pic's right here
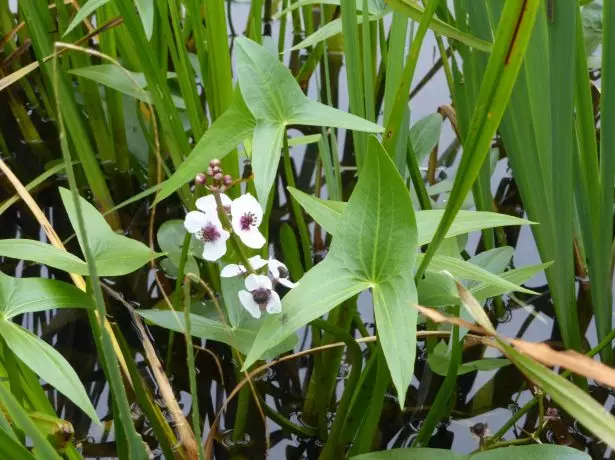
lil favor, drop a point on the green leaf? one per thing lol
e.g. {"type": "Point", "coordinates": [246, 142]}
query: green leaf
{"type": "Point", "coordinates": [21, 418]}
{"type": "Point", "coordinates": [115, 255]}
{"type": "Point", "coordinates": [11, 448]}
{"type": "Point", "coordinates": [124, 81]}
{"type": "Point", "coordinates": [533, 452]}
{"type": "Point", "coordinates": [275, 99]}
{"type": "Point", "coordinates": [517, 276]}
{"type": "Point", "coordinates": [28, 295]}
{"type": "Point", "coordinates": [437, 290]}
{"type": "Point", "coordinates": [376, 251]}
{"type": "Point", "coordinates": [464, 222]}
{"type": "Point", "coordinates": [378, 225]}
{"type": "Point", "coordinates": [146, 11]}
{"type": "Point", "coordinates": [237, 314]}
{"type": "Point", "coordinates": [84, 12]}
{"type": "Point", "coordinates": [43, 253]}
{"type": "Point", "coordinates": [240, 338]}
{"type": "Point", "coordinates": [439, 361]}
{"type": "Point", "coordinates": [396, 325]}
{"type": "Point", "coordinates": [267, 86]}
{"type": "Point", "coordinates": [425, 135]}
{"type": "Point", "coordinates": [170, 238]}
{"type": "Point", "coordinates": [314, 113]}
{"type": "Point", "coordinates": [464, 270]}
{"type": "Point", "coordinates": [328, 212]}
{"type": "Point", "coordinates": [50, 365]}
{"type": "Point", "coordinates": [494, 260]}
{"type": "Point", "coordinates": [267, 143]}
{"type": "Point", "coordinates": [234, 126]}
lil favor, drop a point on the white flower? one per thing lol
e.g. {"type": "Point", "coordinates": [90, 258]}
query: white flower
{"type": "Point", "coordinates": [206, 227]}
{"type": "Point", "coordinates": [279, 272]}
{"type": "Point", "coordinates": [208, 203]}
{"type": "Point", "coordinates": [247, 215]}
{"type": "Point", "coordinates": [260, 296]}
{"type": "Point", "coordinates": [231, 270]}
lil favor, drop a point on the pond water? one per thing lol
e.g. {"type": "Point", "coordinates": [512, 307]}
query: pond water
{"type": "Point", "coordinates": [487, 397]}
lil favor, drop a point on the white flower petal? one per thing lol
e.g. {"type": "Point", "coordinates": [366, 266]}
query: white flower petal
{"type": "Point", "coordinates": [232, 270]}
{"type": "Point", "coordinates": [247, 203]}
{"type": "Point", "coordinates": [288, 283]}
{"type": "Point", "coordinates": [249, 304]}
{"type": "Point", "coordinates": [274, 267]}
{"type": "Point", "coordinates": [251, 238]}
{"type": "Point", "coordinates": [206, 204]}
{"type": "Point", "coordinates": [254, 282]}
{"type": "Point", "coordinates": [195, 221]}
{"type": "Point", "coordinates": [274, 305]}
{"type": "Point", "coordinates": [213, 250]}
{"type": "Point", "coordinates": [257, 262]}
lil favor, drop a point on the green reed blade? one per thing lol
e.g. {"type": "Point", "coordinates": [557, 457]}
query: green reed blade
{"type": "Point", "coordinates": [393, 128]}
{"type": "Point", "coordinates": [562, 43]}
{"type": "Point", "coordinates": [354, 74]}
{"type": "Point", "coordinates": [504, 63]}
{"type": "Point", "coordinates": [175, 137]}
{"type": "Point", "coordinates": [607, 162]}
{"type": "Point", "coordinates": [38, 21]}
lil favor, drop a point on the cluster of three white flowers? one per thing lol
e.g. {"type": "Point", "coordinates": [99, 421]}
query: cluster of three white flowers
{"type": "Point", "coordinates": [246, 215]}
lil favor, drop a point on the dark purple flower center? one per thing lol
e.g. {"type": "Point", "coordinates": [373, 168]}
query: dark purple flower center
{"type": "Point", "coordinates": [247, 220]}
{"type": "Point", "coordinates": [261, 297]}
{"type": "Point", "coordinates": [209, 233]}
{"type": "Point", "coordinates": [283, 272]}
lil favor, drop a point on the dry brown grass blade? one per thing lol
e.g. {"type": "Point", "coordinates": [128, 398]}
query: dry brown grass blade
{"type": "Point", "coordinates": [57, 242]}
{"type": "Point", "coordinates": [438, 317]}
{"type": "Point", "coordinates": [541, 352]}
{"type": "Point", "coordinates": [568, 359]}
{"type": "Point", "coordinates": [186, 435]}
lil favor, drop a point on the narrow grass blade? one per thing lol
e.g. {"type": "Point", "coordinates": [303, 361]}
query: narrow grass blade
{"type": "Point", "coordinates": [505, 61]}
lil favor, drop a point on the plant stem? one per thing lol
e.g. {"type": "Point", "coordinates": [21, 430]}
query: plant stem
{"type": "Point", "coordinates": [304, 235]}
{"type": "Point", "coordinates": [178, 285]}
{"type": "Point", "coordinates": [332, 448]}
{"type": "Point", "coordinates": [196, 423]}
{"type": "Point", "coordinates": [438, 408]}
{"type": "Point", "coordinates": [285, 423]}
{"type": "Point", "coordinates": [241, 416]}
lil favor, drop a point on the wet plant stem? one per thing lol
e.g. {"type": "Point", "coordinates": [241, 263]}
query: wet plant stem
{"type": "Point", "coordinates": [243, 407]}
{"type": "Point", "coordinates": [440, 404]}
{"type": "Point", "coordinates": [285, 423]}
{"type": "Point", "coordinates": [360, 325]}
{"type": "Point", "coordinates": [196, 423]}
{"type": "Point", "coordinates": [304, 235]}
{"type": "Point", "coordinates": [332, 449]}
{"type": "Point", "coordinates": [178, 285]}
